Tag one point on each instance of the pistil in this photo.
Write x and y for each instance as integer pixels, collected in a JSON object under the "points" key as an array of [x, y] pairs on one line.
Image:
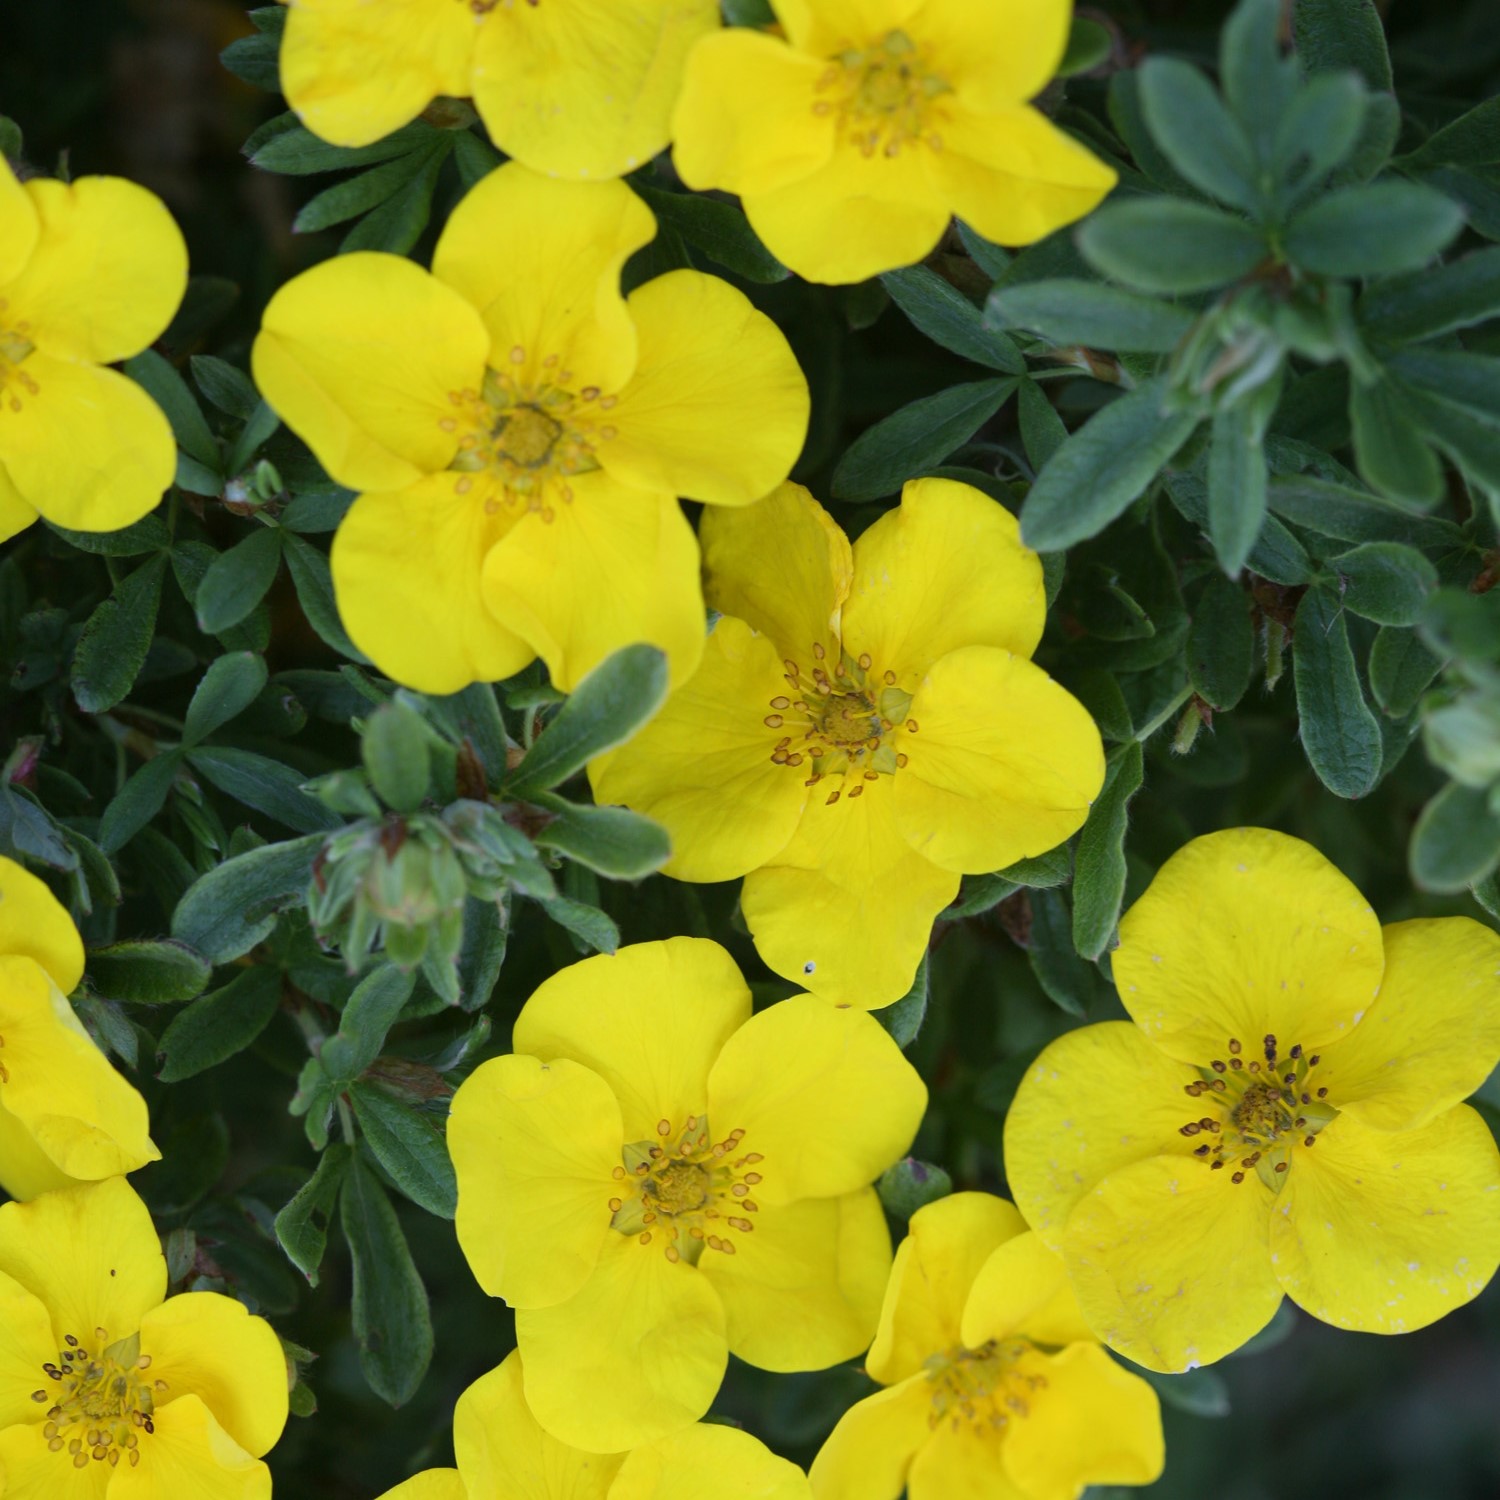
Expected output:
{"points": [[883, 96], [101, 1402]]}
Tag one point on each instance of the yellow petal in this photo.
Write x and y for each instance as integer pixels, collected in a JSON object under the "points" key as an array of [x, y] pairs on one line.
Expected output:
{"points": [[502, 1451], [946, 1246], [20, 225], [852, 218], [356, 72], [433, 1484], [717, 407], [868, 1454], [541, 261], [81, 1113], [107, 273], [827, 26], [613, 567], [782, 566], [1012, 174], [636, 1355], [26, 1171], [360, 356], [89, 449], [190, 1454], [1092, 1423], [35, 1473], [993, 52], [742, 1468], [649, 1020], [209, 1346], [1169, 1261], [407, 572], [1387, 1231], [586, 89], [1004, 766], [702, 767], [1432, 1037], [1022, 1288], [1244, 934], [1097, 1099], [26, 1343], [16, 512], [89, 1254], [35, 924], [744, 119], [802, 1290], [961, 1463], [945, 569], [533, 1146], [847, 908], [823, 1094]]}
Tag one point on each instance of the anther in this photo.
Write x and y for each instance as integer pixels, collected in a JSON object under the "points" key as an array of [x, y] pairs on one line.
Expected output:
{"points": [[1237, 1177], [1310, 1141], [772, 721], [1296, 1052], [865, 661], [663, 1127], [1322, 1093], [1234, 1046], [1314, 1060], [781, 702], [818, 650], [1217, 1066], [645, 1238], [1281, 1166]]}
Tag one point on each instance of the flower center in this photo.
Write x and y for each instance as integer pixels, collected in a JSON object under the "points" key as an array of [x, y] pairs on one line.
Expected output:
{"points": [[883, 95], [844, 724], [983, 1387], [101, 1402], [681, 1189], [14, 348], [1262, 1111]]}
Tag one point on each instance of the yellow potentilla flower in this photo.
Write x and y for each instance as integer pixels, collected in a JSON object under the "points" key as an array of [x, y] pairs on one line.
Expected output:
{"points": [[108, 1386], [995, 1388], [854, 140], [656, 1178], [90, 273], [65, 1113], [573, 88], [1283, 1116], [504, 1454], [866, 726], [520, 432]]}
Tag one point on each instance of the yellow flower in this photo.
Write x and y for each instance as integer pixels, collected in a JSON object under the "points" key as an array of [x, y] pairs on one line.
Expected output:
{"points": [[503, 1454], [109, 1387], [854, 140], [866, 725], [995, 1388], [520, 432], [1283, 1116], [65, 1113], [656, 1178], [573, 88], [90, 273]]}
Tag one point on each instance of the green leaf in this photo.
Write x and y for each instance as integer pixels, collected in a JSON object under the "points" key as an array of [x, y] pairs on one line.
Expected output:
{"points": [[395, 753], [916, 438], [1340, 735], [358, 195], [1385, 581], [1342, 34], [148, 973], [1373, 229], [226, 912], [410, 1146], [297, 152], [593, 929], [219, 1025], [1129, 120], [473, 157], [1042, 430], [314, 584], [1069, 981], [112, 648], [238, 580], [1170, 245], [255, 59], [1201, 1393], [231, 390], [1436, 300], [604, 710], [720, 230], [138, 801], [1221, 643], [1456, 842], [1276, 555], [903, 1020], [1101, 468], [1389, 448], [1237, 481], [229, 686], [392, 1321], [613, 841], [950, 320], [1259, 84], [1089, 44], [1350, 515], [1319, 128], [258, 431], [1042, 871], [1068, 312], [170, 392], [992, 259], [1400, 669], [1198, 135], [1099, 865], [979, 894], [370, 1012], [149, 534], [302, 1226], [397, 224], [264, 784]]}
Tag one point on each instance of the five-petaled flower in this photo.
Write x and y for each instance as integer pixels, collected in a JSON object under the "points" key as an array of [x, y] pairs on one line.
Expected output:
{"points": [[995, 1388], [520, 432], [65, 1113], [503, 1454], [866, 726], [90, 273], [656, 1177], [854, 140], [108, 1386], [1283, 1116], [573, 88]]}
